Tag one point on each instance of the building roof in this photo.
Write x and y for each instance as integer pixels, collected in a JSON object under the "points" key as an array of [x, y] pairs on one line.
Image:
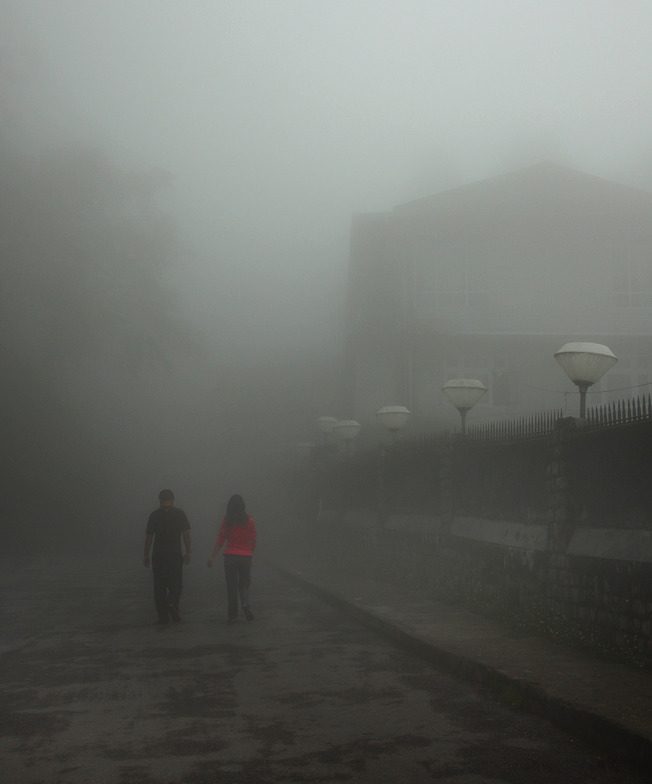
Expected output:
{"points": [[543, 183]]}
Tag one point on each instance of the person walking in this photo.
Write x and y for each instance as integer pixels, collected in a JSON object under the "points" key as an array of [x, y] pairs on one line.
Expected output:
{"points": [[238, 531], [166, 526]]}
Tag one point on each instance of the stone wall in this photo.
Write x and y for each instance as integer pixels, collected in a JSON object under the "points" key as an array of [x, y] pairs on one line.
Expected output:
{"points": [[553, 535], [506, 571]]}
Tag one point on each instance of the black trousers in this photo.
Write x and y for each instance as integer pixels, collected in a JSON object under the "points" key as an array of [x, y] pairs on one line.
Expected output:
{"points": [[168, 582], [237, 570]]}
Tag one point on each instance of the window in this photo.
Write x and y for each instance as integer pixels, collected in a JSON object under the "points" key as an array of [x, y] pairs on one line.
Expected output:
{"points": [[446, 275], [632, 281], [503, 387]]}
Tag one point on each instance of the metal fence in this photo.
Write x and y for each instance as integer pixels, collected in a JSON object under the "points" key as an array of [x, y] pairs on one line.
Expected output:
{"points": [[510, 470], [515, 429], [620, 413]]}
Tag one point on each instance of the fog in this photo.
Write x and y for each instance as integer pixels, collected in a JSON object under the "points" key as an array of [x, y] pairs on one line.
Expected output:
{"points": [[178, 182]]}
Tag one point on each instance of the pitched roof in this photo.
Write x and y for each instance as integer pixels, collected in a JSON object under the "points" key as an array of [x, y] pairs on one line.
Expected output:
{"points": [[542, 183]]}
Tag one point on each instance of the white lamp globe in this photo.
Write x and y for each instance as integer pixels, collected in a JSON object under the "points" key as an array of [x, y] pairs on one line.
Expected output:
{"points": [[585, 363], [464, 393], [326, 424], [347, 429], [393, 417]]}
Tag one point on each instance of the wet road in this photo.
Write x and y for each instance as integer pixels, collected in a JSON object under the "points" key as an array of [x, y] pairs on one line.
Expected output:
{"points": [[93, 691]]}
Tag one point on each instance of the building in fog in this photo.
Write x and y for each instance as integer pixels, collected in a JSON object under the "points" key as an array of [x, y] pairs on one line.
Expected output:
{"points": [[487, 281]]}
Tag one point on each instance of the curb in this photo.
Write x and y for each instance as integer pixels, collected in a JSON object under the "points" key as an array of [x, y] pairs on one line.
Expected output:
{"points": [[611, 736]]}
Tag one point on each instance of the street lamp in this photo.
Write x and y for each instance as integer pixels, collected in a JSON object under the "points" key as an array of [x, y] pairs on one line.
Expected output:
{"points": [[394, 418], [464, 393], [326, 424], [346, 430], [584, 364]]}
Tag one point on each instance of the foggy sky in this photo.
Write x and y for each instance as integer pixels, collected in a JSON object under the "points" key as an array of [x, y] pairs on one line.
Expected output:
{"points": [[279, 120], [274, 123]]}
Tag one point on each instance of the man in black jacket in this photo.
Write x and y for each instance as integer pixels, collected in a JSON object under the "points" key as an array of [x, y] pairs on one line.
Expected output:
{"points": [[166, 526]]}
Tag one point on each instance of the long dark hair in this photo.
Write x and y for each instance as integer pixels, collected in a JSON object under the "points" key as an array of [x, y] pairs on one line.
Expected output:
{"points": [[235, 512]]}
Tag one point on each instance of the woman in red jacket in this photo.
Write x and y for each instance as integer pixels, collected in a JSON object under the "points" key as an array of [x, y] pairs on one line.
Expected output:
{"points": [[239, 532]]}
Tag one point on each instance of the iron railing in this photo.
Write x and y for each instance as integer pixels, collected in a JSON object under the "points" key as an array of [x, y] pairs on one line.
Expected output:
{"points": [[622, 412], [533, 426]]}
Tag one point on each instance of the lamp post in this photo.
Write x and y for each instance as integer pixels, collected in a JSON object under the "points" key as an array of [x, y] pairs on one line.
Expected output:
{"points": [[346, 430], [326, 424], [464, 393], [584, 364], [394, 418]]}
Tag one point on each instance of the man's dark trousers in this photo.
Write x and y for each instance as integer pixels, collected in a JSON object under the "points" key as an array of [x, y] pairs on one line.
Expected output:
{"points": [[168, 583]]}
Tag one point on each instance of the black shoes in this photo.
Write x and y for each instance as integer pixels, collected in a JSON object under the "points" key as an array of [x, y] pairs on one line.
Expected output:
{"points": [[248, 614], [174, 613]]}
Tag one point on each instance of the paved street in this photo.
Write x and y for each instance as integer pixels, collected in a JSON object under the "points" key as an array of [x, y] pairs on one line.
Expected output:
{"points": [[93, 691]]}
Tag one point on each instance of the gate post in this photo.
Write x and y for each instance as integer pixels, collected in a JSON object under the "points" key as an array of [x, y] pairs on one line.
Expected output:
{"points": [[562, 516]]}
